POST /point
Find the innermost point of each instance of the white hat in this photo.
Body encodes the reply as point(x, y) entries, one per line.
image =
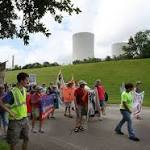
point(138, 82)
point(38, 88)
point(82, 82)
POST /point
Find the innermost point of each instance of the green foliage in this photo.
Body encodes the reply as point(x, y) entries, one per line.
point(29, 14)
point(108, 58)
point(38, 65)
point(3, 145)
point(138, 46)
point(16, 67)
point(112, 73)
point(89, 60)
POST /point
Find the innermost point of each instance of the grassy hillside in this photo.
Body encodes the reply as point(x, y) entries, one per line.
point(112, 73)
point(3, 145)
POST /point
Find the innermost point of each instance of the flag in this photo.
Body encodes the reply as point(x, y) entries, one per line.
point(60, 80)
point(46, 105)
point(137, 103)
point(2, 72)
point(32, 79)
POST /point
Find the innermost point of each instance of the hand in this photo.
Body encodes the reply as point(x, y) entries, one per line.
point(76, 107)
point(13, 114)
point(130, 111)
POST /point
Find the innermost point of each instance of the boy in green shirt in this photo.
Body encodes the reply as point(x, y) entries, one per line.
point(126, 110)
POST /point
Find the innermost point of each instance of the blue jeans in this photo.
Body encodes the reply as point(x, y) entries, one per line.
point(3, 119)
point(126, 116)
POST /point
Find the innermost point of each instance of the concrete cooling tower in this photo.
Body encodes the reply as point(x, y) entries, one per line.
point(83, 45)
point(117, 48)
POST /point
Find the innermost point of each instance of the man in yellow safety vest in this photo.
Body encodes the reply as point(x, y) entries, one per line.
point(18, 126)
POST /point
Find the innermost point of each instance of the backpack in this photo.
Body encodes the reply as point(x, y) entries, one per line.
point(106, 97)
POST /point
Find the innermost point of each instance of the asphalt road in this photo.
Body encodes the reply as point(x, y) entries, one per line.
point(99, 135)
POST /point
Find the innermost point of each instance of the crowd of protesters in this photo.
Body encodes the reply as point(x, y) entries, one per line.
point(73, 95)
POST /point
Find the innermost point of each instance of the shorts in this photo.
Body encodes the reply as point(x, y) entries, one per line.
point(3, 118)
point(18, 129)
point(81, 111)
point(67, 104)
point(102, 103)
point(35, 112)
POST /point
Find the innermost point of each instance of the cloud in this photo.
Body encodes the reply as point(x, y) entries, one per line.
point(110, 20)
point(6, 53)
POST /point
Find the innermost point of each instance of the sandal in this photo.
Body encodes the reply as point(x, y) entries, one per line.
point(41, 131)
point(33, 130)
point(70, 116)
point(76, 129)
point(81, 128)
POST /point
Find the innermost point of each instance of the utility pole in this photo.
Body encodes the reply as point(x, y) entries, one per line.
point(13, 61)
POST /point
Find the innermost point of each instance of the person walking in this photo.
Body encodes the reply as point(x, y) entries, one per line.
point(126, 110)
point(68, 97)
point(18, 126)
point(35, 106)
point(81, 105)
point(100, 97)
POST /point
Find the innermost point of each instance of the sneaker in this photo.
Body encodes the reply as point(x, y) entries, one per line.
point(41, 131)
point(119, 132)
point(52, 117)
point(65, 115)
point(34, 131)
point(76, 129)
point(81, 128)
point(70, 116)
point(134, 138)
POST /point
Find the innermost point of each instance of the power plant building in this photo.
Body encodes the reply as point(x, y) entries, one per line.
point(117, 48)
point(83, 45)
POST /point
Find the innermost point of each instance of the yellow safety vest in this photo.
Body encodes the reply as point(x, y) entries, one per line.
point(19, 106)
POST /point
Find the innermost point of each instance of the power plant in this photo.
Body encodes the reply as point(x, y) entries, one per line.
point(83, 45)
point(117, 48)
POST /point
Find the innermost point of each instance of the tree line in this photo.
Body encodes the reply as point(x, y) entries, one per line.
point(138, 46)
point(36, 65)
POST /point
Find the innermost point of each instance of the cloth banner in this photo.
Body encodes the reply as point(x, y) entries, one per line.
point(46, 105)
point(32, 79)
point(60, 80)
point(2, 72)
point(137, 103)
point(91, 103)
point(60, 83)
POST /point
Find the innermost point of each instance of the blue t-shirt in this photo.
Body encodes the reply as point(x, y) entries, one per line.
point(8, 98)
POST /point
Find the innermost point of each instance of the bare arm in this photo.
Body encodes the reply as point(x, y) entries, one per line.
point(6, 108)
point(126, 107)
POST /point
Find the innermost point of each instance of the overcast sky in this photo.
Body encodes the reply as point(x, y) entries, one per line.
point(110, 20)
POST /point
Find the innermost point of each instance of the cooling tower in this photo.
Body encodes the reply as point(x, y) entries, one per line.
point(117, 48)
point(83, 45)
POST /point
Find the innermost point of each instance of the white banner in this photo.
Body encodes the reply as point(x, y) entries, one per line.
point(137, 104)
point(91, 103)
point(32, 79)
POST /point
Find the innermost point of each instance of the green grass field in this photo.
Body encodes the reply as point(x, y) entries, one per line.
point(3, 145)
point(112, 74)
